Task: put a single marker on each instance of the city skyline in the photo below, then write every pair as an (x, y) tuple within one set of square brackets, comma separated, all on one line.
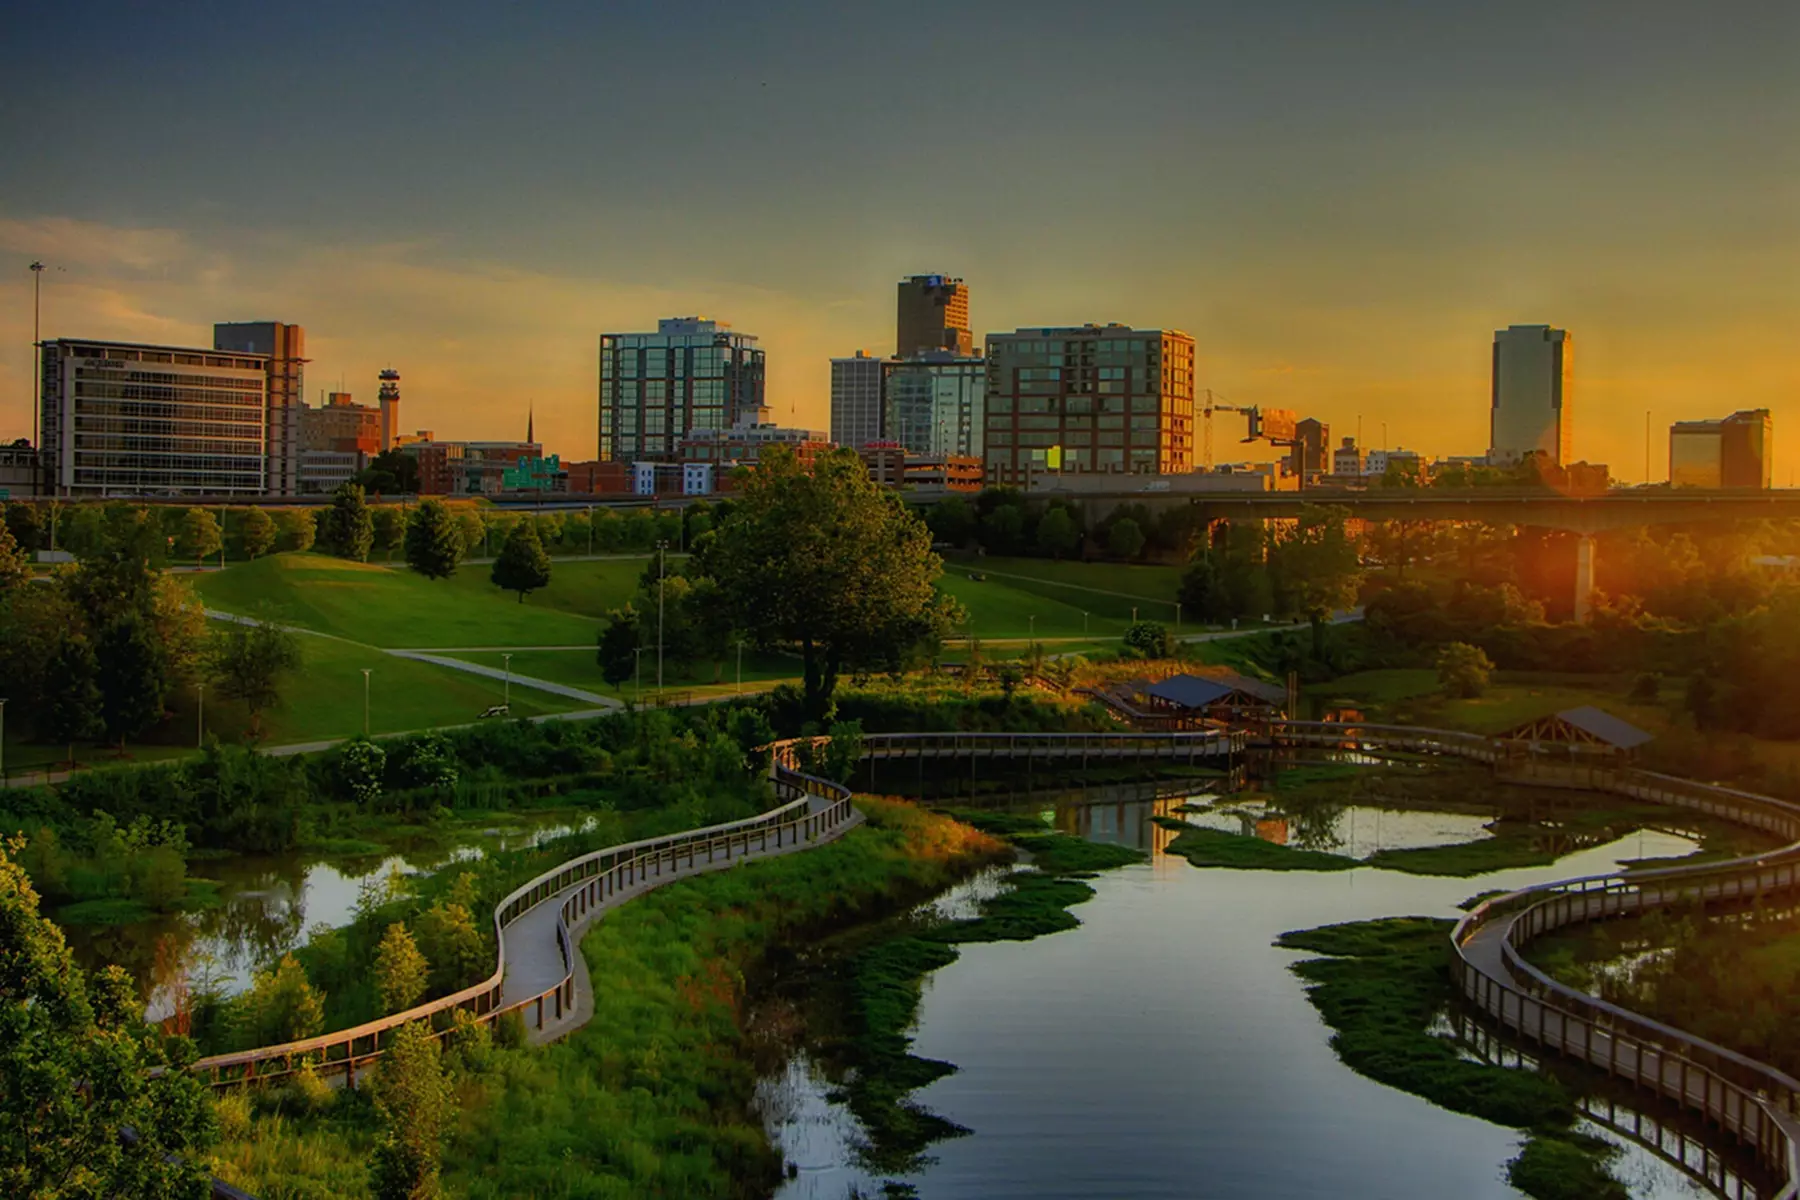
[(1340, 233)]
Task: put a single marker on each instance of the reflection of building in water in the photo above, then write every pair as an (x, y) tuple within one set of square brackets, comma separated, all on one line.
[(1122, 823), (1273, 829)]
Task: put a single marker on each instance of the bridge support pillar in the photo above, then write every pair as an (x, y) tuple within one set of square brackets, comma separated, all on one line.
[(1584, 578)]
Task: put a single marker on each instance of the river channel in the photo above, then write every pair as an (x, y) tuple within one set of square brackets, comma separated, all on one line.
[(1164, 1048)]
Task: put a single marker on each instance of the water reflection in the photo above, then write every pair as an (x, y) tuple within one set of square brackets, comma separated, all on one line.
[(1164, 1049), (269, 906)]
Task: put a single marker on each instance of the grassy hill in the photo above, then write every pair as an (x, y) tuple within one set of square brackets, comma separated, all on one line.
[(397, 609), (1102, 589)]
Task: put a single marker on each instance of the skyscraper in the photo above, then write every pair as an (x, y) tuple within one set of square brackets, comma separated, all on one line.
[(856, 415), (1110, 399), (932, 404), (1533, 368), (285, 346), (692, 373), (933, 315), (1732, 453)]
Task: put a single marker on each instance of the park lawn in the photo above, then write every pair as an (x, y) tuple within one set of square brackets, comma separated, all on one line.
[(578, 668), (997, 609), (378, 606), (588, 588), (1112, 589), (320, 701)]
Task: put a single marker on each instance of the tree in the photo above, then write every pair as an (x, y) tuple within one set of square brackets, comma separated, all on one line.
[(472, 530), (26, 526), (299, 529), (952, 520), (1463, 670), (390, 473), (827, 560), (247, 662), (1003, 529), (133, 684), (1202, 592), (346, 529), (1057, 534), (448, 939), (433, 544), (15, 568), (71, 711), (200, 537), (257, 532), (522, 565), (281, 1006), (1125, 538), (618, 644), (1149, 639), (400, 970), (1318, 568), (416, 1103), (389, 529), (80, 1064)]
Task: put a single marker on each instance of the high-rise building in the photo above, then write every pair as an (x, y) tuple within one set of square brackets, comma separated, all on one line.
[(1092, 398), (692, 373), (388, 400), (1310, 455), (285, 348), (122, 419), (933, 316), (1533, 369), (337, 440), (932, 404), (856, 414), (1732, 453)]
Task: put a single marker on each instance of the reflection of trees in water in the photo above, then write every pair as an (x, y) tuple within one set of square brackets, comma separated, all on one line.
[(1315, 826), (262, 917), (149, 950)]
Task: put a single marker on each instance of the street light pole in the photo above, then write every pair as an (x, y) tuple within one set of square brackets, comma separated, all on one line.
[(200, 715), (37, 379), (740, 648), (507, 658), (661, 545), (365, 672)]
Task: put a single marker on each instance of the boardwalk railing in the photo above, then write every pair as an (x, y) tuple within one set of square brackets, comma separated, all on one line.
[(812, 808), (1757, 1104), (1190, 746)]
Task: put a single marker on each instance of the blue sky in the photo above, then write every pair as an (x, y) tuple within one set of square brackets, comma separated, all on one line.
[(1341, 201)]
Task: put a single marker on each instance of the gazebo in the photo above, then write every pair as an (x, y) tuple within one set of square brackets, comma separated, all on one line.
[(1217, 695), (1585, 731)]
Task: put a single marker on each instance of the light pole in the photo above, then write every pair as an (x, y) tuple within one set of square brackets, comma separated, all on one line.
[(638, 670), (200, 715), (1031, 627), (1084, 630), (662, 544), (1178, 616), (37, 379), (507, 701), (590, 531), (740, 649), (1134, 614), (365, 672)]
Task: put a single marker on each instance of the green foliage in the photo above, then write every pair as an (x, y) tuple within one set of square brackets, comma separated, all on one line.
[(15, 565), (281, 1006), (25, 525), (132, 677), (1150, 640), (256, 532), (200, 537), (1316, 569), (248, 662), (78, 1059), (448, 939), (347, 529), (1058, 535), (401, 972), (434, 544), (391, 473), (389, 529), (1125, 538), (1646, 688), (1215, 848), (416, 1105), (425, 761), (71, 708), (952, 519), (618, 646), (522, 565), (828, 561), (361, 766), (1551, 1168), (1463, 670), (299, 529)]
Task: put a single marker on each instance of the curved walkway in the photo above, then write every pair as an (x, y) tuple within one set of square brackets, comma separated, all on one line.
[(518, 680), (1757, 1104)]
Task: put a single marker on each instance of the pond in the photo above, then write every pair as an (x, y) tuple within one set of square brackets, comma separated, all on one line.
[(1164, 1049), (269, 904)]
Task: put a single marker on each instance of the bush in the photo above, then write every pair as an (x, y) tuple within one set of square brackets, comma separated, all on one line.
[(1463, 670), (1149, 639), (361, 765), (1647, 687)]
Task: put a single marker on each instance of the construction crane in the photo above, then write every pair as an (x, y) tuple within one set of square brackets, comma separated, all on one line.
[(1277, 427)]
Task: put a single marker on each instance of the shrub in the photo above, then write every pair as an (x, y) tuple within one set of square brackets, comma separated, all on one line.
[(1647, 687), (400, 970), (1463, 670), (361, 765), (1149, 639)]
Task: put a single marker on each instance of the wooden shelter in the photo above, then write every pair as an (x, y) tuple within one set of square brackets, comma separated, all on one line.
[(1585, 730), (1216, 696)]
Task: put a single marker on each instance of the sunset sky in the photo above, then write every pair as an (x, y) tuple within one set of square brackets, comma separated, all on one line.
[(1340, 200)]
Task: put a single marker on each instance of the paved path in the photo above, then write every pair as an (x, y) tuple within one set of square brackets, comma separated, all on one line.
[(541, 685)]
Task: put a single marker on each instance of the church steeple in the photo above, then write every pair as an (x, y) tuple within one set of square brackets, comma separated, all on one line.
[(531, 422)]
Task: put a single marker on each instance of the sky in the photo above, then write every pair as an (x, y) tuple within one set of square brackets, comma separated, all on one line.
[(1340, 200)]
